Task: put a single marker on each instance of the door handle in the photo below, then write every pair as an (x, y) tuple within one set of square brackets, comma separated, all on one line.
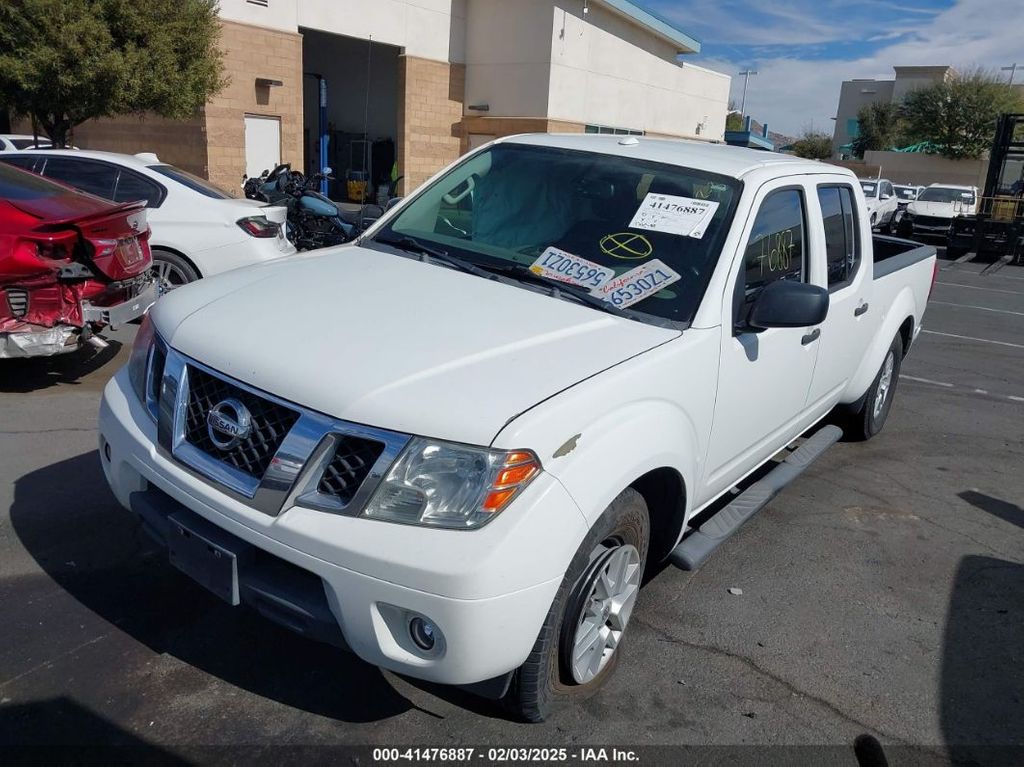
[(862, 309), (811, 337)]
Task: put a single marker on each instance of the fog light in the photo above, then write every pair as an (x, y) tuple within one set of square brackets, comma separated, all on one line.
[(423, 633)]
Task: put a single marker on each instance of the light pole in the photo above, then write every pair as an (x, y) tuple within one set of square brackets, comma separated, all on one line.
[(1012, 69), (743, 102)]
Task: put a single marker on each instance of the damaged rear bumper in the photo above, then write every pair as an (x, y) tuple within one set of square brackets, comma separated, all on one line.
[(39, 342), (31, 340)]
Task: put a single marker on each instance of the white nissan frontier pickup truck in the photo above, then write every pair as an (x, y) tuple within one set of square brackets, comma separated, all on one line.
[(453, 446)]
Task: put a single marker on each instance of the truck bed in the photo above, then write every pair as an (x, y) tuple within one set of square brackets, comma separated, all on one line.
[(894, 253)]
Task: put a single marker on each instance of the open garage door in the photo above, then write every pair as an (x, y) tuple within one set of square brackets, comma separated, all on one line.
[(361, 80)]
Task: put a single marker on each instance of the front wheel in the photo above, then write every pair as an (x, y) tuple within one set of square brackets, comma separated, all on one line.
[(581, 639), (870, 417)]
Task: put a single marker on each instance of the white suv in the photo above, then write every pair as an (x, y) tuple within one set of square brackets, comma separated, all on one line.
[(936, 207), (881, 200)]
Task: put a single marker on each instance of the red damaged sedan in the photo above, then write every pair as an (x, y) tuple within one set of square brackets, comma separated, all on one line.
[(70, 264)]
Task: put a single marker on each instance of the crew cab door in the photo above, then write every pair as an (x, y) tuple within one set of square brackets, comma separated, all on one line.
[(764, 376), (852, 319)]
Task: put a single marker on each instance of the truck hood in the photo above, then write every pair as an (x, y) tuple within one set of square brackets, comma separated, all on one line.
[(392, 342)]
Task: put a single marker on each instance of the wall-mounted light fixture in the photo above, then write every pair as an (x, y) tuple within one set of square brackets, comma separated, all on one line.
[(480, 107), (264, 82)]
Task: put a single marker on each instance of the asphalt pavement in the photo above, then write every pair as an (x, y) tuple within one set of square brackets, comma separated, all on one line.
[(882, 593)]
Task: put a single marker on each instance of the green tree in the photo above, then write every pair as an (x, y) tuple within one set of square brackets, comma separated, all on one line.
[(734, 121), (63, 62), (813, 145), (879, 127), (958, 115)]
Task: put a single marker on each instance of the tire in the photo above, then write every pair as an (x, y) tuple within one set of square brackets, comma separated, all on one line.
[(547, 679), (171, 270), (955, 252), (870, 417)]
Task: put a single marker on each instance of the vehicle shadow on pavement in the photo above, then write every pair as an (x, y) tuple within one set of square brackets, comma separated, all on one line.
[(67, 519), (982, 677), (20, 376), (36, 733)]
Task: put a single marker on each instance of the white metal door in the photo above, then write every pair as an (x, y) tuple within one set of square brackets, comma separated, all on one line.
[(262, 143)]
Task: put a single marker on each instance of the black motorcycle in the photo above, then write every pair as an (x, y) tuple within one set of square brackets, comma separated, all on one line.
[(314, 221)]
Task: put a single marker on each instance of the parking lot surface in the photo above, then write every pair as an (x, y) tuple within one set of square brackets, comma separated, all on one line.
[(882, 592)]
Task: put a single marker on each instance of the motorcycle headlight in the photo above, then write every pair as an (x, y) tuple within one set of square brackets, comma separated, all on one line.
[(138, 363), (440, 484)]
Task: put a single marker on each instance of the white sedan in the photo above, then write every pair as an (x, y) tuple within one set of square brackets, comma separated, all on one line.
[(198, 230)]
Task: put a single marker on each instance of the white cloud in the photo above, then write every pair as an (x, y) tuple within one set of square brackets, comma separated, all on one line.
[(790, 93)]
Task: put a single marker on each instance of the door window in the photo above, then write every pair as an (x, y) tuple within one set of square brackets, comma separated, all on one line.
[(775, 250), (88, 175), (842, 250)]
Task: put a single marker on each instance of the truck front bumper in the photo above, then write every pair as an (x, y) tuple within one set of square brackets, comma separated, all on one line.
[(479, 640)]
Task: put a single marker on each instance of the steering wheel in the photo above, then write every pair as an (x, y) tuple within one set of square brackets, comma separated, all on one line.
[(455, 198)]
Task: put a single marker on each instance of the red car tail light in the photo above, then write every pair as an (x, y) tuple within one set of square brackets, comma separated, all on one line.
[(259, 226), (935, 274), (55, 246)]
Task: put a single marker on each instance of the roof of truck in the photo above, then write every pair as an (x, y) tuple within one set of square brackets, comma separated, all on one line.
[(724, 159)]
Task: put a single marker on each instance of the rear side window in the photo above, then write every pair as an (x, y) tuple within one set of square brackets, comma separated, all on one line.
[(91, 176), (842, 249), (775, 250), (132, 186)]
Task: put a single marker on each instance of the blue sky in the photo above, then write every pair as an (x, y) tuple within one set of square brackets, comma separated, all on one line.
[(804, 49)]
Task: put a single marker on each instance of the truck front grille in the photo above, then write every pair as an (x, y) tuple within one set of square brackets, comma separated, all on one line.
[(17, 299), (931, 221), (353, 459), (271, 423)]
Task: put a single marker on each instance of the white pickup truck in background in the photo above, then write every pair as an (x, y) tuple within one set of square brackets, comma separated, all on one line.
[(454, 446)]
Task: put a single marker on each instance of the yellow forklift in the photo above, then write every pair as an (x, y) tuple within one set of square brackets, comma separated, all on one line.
[(996, 231)]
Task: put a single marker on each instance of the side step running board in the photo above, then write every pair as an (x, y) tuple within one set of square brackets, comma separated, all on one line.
[(699, 544)]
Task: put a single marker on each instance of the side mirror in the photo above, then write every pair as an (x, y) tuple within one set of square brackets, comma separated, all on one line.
[(788, 304), (392, 203), (886, 196)]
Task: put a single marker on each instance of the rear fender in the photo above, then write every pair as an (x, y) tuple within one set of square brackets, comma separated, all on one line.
[(902, 307)]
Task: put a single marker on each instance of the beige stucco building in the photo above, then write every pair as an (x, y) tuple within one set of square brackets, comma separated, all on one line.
[(418, 82)]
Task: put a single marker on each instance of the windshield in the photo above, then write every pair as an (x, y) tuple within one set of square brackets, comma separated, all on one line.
[(906, 192), (640, 235), (946, 194), (193, 182), (869, 188)]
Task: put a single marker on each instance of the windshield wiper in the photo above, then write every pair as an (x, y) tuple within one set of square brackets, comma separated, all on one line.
[(523, 273), (428, 253)]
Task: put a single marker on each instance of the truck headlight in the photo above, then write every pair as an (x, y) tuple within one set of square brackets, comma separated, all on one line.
[(138, 363), (440, 484)]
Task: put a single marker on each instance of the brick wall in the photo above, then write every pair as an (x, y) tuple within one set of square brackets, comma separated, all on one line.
[(430, 102), (253, 52), (178, 142)]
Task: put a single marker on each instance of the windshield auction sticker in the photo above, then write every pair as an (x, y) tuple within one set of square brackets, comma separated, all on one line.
[(637, 284), (668, 213), (559, 265)]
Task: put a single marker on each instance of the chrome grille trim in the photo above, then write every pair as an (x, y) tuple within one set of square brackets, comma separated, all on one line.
[(294, 472)]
